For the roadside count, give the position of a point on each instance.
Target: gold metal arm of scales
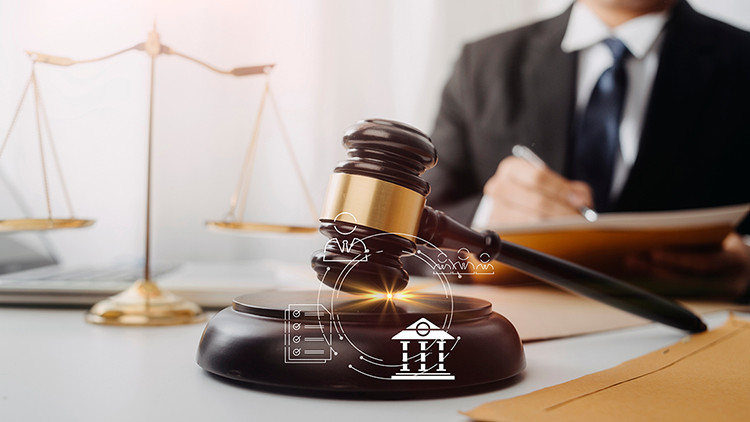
(153, 47)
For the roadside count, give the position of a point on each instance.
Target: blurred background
(337, 61)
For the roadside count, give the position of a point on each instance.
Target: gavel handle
(441, 231)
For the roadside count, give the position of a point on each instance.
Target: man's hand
(524, 193)
(722, 272)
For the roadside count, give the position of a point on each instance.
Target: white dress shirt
(642, 36)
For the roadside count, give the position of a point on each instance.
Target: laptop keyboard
(55, 277)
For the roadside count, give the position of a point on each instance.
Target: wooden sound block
(343, 343)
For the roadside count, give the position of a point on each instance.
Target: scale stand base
(144, 304)
(340, 344)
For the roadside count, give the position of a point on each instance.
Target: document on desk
(703, 377)
(598, 244)
(543, 312)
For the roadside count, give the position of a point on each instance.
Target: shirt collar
(585, 29)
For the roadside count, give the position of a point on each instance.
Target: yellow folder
(704, 377)
(602, 244)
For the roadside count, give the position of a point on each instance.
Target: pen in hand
(528, 155)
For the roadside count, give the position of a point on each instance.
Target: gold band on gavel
(373, 203)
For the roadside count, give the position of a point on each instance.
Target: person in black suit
(684, 125)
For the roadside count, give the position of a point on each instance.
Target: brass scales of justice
(144, 303)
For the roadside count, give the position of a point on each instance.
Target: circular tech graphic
(420, 322)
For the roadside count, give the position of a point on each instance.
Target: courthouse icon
(431, 352)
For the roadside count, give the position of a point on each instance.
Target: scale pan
(25, 224)
(244, 226)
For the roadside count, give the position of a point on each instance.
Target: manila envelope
(704, 377)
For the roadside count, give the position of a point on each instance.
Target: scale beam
(153, 47)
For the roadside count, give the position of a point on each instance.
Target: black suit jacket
(519, 87)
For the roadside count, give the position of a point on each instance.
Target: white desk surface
(54, 366)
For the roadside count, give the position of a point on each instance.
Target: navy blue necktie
(597, 135)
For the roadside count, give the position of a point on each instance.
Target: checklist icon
(307, 334)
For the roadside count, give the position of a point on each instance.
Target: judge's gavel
(375, 212)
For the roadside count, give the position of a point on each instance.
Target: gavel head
(373, 207)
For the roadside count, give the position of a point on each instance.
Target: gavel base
(343, 344)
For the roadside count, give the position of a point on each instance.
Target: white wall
(337, 62)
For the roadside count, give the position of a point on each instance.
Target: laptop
(30, 277)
